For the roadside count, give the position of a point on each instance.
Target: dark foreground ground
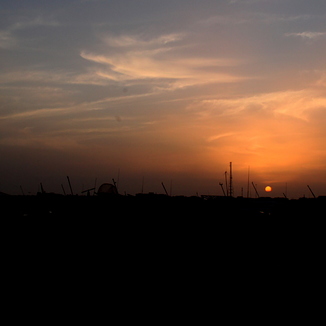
(161, 251)
(51, 205)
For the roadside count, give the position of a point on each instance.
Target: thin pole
(72, 193)
(311, 191)
(226, 183)
(115, 184)
(95, 186)
(42, 189)
(221, 184)
(231, 181)
(165, 189)
(248, 181)
(142, 186)
(255, 189)
(63, 189)
(118, 178)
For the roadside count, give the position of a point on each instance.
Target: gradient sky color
(168, 90)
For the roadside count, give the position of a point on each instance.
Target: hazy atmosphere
(151, 91)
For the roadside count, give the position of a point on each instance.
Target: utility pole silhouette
(231, 181)
(255, 190)
(248, 186)
(311, 191)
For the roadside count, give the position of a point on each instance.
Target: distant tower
(231, 181)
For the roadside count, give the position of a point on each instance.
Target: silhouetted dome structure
(107, 189)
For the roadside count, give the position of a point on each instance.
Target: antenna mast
(231, 181)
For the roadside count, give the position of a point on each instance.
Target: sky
(151, 91)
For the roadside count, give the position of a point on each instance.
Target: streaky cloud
(138, 41)
(7, 40)
(139, 59)
(219, 136)
(308, 35)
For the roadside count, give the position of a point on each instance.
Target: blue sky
(163, 89)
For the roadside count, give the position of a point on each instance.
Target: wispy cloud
(73, 109)
(246, 1)
(33, 113)
(157, 59)
(322, 79)
(295, 104)
(53, 76)
(7, 40)
(138, 41)
(8, 37)
(242, 18)
(219, 136)
(308, 35)
(36, 22)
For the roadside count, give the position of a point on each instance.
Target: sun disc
(268, 189)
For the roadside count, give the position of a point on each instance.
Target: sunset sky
(163, 91)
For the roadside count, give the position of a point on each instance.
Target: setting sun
(268, 189)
